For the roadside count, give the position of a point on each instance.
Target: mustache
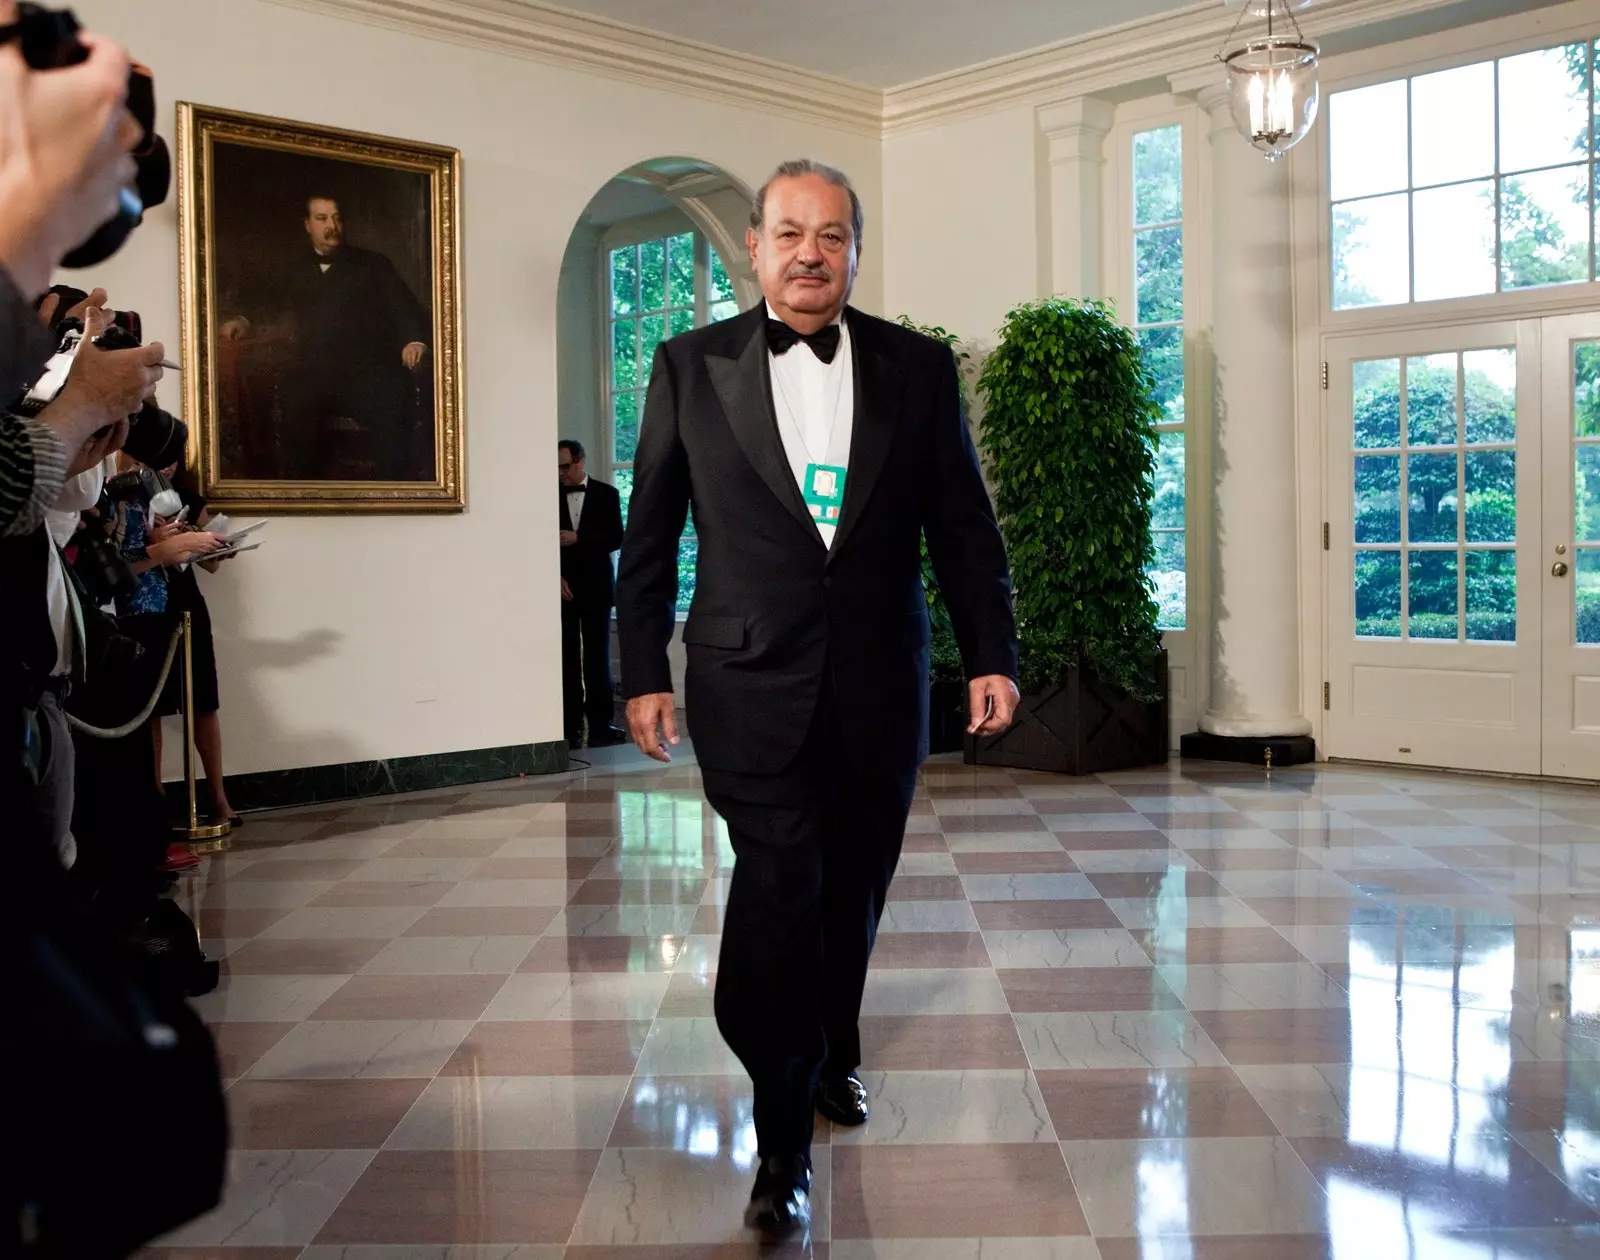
(801, 272)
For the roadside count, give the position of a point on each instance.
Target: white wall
(350, 638)
(962, 245)
(578, 321)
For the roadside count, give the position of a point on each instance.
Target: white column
(1255, 667)
(1075, 133)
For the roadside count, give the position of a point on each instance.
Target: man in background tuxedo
(591, 529)
(817, 446)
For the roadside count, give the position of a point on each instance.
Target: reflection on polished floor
(1195, 1013)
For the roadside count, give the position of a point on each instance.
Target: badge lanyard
(823, 485)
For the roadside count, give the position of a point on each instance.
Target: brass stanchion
(202, 837)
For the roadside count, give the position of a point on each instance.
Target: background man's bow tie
(824, 342)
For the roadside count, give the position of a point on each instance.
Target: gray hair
(793, 169)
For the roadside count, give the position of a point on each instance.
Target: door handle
(1558, 569)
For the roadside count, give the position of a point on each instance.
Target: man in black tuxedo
(817, 446)
(591, 529)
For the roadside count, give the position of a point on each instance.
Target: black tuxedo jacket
(587, 563)
(773, 607)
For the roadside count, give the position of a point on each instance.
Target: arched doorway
(658, 250)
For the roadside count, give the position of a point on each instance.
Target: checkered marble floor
(1194, 1013)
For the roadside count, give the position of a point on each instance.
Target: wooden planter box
(1081, 726)
(947, 716)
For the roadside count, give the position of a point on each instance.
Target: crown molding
(1135, 52)
(1179, 44)
(538, 32)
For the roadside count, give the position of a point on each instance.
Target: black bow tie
(824, 342)
(576, 489)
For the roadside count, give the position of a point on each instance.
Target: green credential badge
(825, 492)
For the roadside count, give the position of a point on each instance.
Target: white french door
(1570, 560)
(1459, 460)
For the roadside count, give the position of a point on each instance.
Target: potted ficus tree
(1070, 448)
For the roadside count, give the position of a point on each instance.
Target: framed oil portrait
(321, 316)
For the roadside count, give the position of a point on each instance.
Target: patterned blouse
(150, 596)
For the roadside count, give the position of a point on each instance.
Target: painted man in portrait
(354, 394)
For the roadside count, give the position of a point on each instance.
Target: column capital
(1075, 128)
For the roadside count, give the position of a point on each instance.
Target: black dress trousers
(586, 686)
(815, 849)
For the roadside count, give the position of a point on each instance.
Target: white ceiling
(875, 43)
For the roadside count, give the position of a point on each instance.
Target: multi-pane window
(1158, 321)
(1586, 490)
(1435, 488)
(659, 288)
(1475, 180)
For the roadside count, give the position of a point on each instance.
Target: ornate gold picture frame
(321, 296)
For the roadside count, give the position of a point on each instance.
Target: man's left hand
(412, 354)
(1003, 692)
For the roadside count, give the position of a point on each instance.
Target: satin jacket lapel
(880, 390)
(744, 387)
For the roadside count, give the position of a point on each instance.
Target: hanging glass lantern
(1272, 80)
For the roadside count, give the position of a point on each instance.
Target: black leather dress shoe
(607, 736)
(843, 1099)
(780, 1204)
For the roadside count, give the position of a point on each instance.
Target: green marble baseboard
(311, 785)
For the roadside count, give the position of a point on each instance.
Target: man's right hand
(569, 538)
(236, 329)
(104, 386)
(66, 143)
(649, 718)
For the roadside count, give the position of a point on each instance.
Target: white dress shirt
(816, 404)
(575, 498)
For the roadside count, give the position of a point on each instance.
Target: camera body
(155, 437)
(49, 41)
(98, 563)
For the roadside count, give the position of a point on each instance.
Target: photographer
(66, 145)
(184, 596)
(39, 638)
(119, 1132)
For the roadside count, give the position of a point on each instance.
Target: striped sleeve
(33, 461)
(33, 469)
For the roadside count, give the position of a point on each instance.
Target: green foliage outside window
(1435, 483)
(653, 298)
(1158, 319)
(1534, 245)
(1068, 410)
